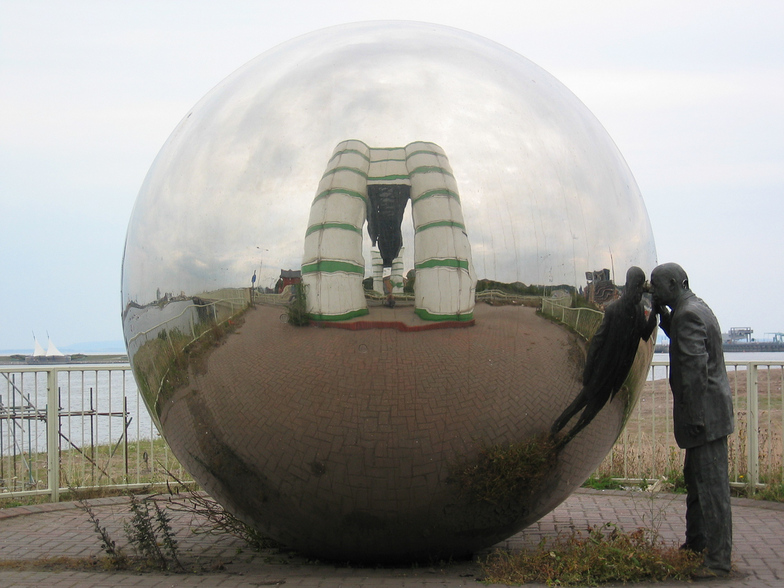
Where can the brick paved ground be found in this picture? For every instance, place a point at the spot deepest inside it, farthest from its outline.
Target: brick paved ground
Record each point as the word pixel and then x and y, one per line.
pixel 27 533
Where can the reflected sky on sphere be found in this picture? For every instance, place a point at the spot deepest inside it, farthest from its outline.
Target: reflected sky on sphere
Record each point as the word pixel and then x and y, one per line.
pixel 546 195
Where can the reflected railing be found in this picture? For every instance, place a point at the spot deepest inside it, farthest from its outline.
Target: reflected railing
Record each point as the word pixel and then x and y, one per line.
pixel 158 343
pixel 188 319
pixel 582 320
pixel 492 296
pixel 85 426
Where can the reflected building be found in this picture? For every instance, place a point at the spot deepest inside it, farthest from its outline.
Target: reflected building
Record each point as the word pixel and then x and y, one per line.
pixel 600 288
pixel 347 418
pixel 288 278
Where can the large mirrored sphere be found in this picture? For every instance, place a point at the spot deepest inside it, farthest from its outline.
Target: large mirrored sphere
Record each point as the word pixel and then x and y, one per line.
pixel 362 285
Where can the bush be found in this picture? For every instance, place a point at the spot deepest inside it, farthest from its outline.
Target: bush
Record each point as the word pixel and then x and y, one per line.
pixel 502 473
pixel 297 309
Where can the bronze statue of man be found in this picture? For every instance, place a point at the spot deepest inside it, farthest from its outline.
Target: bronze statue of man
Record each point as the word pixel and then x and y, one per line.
pixel 702 414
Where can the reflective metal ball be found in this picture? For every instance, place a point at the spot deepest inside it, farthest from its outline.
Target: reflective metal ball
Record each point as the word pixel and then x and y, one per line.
pixel 345 291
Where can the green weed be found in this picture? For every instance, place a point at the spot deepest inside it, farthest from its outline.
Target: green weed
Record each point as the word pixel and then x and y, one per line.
pixel 150 533
pixel 297 309
pixel 602 482
pixel 115 558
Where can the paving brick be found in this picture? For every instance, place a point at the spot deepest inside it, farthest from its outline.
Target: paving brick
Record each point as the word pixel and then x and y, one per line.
pixel 63 530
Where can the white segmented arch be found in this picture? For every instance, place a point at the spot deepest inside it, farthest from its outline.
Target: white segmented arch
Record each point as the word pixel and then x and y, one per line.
pixel 333 266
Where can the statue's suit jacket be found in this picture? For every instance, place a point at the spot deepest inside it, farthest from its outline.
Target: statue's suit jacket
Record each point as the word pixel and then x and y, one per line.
pixel 698 377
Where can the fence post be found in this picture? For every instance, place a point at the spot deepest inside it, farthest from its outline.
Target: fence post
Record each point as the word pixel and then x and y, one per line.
pixel 52 435
pixel 752 424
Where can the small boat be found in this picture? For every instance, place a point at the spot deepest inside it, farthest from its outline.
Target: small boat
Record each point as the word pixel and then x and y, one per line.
pixel 51 355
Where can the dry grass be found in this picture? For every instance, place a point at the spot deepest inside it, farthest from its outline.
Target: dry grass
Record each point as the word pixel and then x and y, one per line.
pixel 647 448
pixel 596 556
pixel 102 470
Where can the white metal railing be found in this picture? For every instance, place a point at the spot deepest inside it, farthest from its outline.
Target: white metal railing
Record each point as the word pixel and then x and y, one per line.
pixel 647 448
pixel 76 425
pixel 83 426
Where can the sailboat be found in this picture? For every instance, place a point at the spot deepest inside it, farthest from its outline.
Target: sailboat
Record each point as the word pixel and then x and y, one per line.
pixel 51 355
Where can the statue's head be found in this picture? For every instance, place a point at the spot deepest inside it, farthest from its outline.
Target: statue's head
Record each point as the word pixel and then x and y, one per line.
pixel 635 282
pixel 669 281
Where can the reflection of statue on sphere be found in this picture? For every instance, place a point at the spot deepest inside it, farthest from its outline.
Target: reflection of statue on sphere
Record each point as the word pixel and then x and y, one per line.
pixel 611 353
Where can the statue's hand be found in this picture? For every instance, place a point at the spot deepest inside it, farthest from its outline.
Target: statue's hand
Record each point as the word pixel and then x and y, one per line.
pixel 694 430
pixel 664 318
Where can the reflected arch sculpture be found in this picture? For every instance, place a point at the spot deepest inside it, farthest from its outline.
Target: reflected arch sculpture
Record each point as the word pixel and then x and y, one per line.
pixel 333 265
pixel 414 423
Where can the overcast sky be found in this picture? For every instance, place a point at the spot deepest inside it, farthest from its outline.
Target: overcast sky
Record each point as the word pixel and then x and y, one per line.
pixel 692 94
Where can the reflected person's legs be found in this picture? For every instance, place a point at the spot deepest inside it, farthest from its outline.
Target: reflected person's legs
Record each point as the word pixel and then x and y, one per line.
pixel 576 406
pixel 591 410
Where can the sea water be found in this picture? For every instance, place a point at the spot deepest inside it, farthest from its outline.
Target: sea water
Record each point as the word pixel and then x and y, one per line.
pixel 97 407
pixel 774 357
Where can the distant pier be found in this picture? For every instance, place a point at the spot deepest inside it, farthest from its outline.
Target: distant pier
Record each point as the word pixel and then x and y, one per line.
pixel 752 346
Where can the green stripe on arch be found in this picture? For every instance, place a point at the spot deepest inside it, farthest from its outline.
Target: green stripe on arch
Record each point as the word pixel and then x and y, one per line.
pixel 437 192
pixel 388 178
pixel 429 316
pixel 422 144
pixel 440 224
pixel 331 266
pixel 341 168
pixel 344 226
pixel 356 151
pixel 339 317
pixel 346 191
pixel 425 152
pixel 458 263
pixel 431 169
